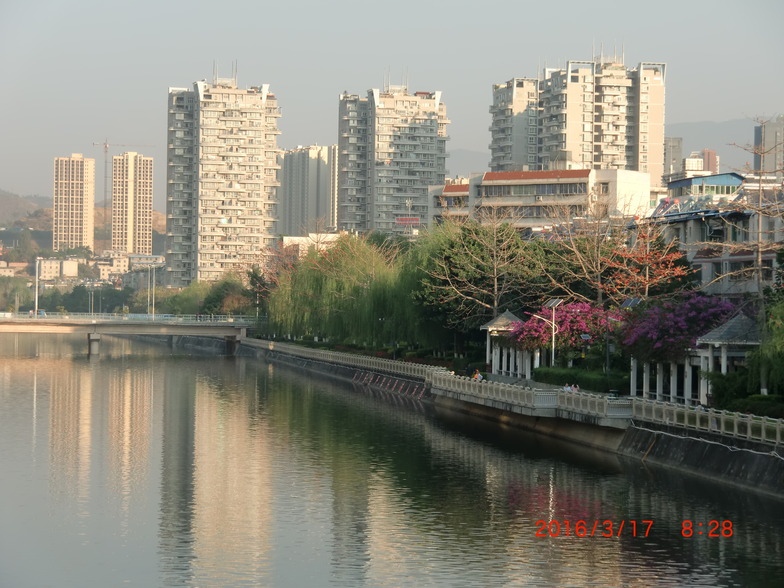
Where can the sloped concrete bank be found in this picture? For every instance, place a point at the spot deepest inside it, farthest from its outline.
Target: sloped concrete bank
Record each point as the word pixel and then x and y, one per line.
pixel 385 383
pixel 757 466
pixel 582 434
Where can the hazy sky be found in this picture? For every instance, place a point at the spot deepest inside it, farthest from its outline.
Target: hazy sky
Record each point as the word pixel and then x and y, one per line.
pixel 81 72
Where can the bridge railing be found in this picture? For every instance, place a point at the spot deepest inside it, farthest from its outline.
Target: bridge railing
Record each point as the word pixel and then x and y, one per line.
pixel 135 317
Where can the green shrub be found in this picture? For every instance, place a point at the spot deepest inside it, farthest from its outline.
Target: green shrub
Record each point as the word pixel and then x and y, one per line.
pixel 728 388
pixel 594 381
pixel 770 405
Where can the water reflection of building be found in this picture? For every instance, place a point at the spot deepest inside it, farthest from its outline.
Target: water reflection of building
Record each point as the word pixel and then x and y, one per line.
pixel 71 430
pixel 129 425
pixel 100 425
pixel 216 495
pixel 175 534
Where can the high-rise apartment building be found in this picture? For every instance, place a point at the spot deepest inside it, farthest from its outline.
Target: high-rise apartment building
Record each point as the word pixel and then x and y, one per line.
pixel 391 147
pixel 132 192
pixel 514 127
pixel 74 202
pixel 769 146
pixel 222 179
pixel 673 155
pixel 591 115
pixel 308 190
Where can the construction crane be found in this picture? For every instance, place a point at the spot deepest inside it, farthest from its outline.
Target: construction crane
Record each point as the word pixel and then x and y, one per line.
pixel 106 146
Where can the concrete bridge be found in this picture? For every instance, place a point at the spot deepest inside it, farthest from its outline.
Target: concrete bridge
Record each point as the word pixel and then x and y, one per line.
pixel 231 329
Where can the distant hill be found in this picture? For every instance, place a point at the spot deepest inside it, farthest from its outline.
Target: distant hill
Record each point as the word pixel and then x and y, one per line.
pixel 13 208
pixel 17 213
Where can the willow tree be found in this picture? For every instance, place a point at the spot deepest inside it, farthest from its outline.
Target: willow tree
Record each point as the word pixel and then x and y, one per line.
pixel 349 291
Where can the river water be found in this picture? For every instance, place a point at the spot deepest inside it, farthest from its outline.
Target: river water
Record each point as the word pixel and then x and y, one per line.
pixel 147 467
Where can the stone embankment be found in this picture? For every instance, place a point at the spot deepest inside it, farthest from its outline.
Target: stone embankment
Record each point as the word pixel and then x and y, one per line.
pixel 736 449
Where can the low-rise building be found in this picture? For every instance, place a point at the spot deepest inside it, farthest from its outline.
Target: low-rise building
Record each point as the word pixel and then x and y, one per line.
pixel 730 228
pixel 537 200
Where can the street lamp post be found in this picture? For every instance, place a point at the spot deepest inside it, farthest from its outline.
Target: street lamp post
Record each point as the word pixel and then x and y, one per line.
pixel 37 264
pixel 552 303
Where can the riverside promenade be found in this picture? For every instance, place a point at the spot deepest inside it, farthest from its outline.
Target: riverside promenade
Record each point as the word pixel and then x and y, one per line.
pixel 538 400
pixel 731 448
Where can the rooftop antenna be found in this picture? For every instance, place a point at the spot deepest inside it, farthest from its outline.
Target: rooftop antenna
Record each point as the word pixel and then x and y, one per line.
pixel 214 71
pixel 234 71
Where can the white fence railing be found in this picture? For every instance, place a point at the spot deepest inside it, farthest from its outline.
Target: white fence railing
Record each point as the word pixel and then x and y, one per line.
pixel 365 362
pixel 731 424
pixel 617 409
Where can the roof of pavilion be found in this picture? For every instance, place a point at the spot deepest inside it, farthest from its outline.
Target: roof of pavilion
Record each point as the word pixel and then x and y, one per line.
pixel 739 330
pixel 501 323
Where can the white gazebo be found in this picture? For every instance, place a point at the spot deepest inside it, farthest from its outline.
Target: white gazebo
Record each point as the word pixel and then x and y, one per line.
pixel 725 344
pixel 505 360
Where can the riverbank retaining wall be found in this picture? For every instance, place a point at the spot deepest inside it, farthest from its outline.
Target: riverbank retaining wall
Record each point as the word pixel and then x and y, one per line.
pixel 757 466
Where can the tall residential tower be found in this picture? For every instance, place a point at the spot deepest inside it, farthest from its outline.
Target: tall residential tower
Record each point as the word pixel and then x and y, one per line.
pixel 74 202
pixel 514 127
pixel 222 179
pixel 132 203
pixel 391 147
pixel 590 115
pixel 769 146
pixel 308 190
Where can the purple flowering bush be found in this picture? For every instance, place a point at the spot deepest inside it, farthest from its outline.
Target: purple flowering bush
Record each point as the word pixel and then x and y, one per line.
pixel 667 329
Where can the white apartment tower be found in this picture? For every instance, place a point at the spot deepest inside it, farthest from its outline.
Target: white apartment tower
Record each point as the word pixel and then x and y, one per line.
pixel 601 115
pixel 74 202
pixel 308 190
pixel 221 179
pixel 514 127
pixel 132 188
pixel 391 147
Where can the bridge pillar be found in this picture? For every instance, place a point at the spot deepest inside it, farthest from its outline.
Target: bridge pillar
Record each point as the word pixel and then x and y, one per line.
pixel 93 343
pixel 232 344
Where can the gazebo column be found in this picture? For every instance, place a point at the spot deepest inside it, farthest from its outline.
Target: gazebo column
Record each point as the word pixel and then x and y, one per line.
pixel 673 380
pixel 633 378
pixel 646 379
pixel 660 381
pixel 537 358
pixel 504 360
pixel 527 358
pixel 706 361
pixel 496 357
pixel 488 348
pixel 687 382
pixel 724 362
pixel 520 365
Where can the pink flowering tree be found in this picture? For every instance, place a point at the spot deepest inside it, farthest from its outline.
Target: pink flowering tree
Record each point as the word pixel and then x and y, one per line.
pixel 666 330
pixel 572 321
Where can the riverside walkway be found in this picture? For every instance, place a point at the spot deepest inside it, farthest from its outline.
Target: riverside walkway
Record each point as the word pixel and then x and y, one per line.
pixel 542 400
